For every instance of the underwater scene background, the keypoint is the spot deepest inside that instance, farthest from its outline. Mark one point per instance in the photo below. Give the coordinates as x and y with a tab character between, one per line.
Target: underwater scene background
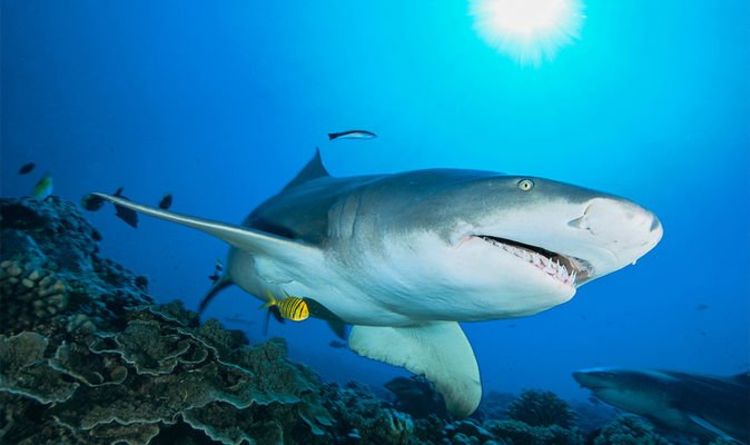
222	104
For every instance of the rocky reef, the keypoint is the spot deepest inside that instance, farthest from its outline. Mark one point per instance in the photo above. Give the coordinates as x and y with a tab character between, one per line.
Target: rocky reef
88	357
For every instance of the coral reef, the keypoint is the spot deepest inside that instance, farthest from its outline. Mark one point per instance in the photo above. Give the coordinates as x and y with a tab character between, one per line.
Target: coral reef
591	415
629	430
520	433
87	357
494	406
541	408
361	417
416	396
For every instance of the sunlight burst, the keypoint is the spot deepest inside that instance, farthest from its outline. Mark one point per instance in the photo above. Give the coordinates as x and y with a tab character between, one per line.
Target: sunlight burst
528	30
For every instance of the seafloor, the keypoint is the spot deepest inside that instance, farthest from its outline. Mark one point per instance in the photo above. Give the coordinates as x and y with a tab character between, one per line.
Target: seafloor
88	357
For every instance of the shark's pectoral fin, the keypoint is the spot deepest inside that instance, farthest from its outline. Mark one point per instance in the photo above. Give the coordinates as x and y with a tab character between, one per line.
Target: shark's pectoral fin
439	350
250	240
711	428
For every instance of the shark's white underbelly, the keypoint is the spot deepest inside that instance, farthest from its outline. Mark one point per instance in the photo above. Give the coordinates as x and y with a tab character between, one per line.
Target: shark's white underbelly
314	278
379	293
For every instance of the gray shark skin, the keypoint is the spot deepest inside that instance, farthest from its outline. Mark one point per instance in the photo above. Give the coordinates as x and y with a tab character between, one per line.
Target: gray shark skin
700	405
404	257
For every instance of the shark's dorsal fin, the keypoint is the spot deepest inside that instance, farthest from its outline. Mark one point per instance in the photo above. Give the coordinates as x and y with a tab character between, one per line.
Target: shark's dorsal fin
313	170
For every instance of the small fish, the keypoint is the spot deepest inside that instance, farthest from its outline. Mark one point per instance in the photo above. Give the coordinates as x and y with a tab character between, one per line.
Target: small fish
337	344
701	307
92	203
166	201
129	216
43	188
26	168
289	308
352	134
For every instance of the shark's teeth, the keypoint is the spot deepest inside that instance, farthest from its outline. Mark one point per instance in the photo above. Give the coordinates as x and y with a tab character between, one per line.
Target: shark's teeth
552	268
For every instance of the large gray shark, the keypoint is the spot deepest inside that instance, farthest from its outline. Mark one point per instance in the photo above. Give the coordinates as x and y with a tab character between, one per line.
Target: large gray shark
694	404
404	257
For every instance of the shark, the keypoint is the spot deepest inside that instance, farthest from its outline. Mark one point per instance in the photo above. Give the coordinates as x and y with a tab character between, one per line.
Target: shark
700	405
403	258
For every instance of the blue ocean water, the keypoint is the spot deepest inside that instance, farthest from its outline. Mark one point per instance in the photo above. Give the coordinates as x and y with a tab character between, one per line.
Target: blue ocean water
221	104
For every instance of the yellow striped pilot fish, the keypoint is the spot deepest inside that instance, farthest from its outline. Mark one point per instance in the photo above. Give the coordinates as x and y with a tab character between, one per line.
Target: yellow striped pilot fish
290	308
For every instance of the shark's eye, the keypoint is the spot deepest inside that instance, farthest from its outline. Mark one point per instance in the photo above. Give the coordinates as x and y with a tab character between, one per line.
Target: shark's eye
526	184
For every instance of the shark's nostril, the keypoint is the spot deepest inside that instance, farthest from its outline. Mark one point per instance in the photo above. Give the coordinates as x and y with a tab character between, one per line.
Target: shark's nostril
576	222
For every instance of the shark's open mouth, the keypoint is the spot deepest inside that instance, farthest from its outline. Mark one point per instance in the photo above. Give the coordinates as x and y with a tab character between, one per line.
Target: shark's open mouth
569	270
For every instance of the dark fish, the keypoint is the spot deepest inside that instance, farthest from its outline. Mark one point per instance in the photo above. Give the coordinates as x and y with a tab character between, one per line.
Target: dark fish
337	344
92	203
166	202
352	134
26	168
701	307
124	213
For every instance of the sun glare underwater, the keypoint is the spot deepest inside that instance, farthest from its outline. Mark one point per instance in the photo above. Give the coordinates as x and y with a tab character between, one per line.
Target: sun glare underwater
482	221
528	30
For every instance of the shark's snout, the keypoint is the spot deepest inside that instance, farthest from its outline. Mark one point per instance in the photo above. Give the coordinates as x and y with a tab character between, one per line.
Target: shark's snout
621	227
584	378
578	377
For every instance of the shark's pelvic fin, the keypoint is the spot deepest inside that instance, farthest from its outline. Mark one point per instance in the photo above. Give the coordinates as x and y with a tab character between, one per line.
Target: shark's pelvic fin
250	240
337	325
439	350
223	283
313	170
